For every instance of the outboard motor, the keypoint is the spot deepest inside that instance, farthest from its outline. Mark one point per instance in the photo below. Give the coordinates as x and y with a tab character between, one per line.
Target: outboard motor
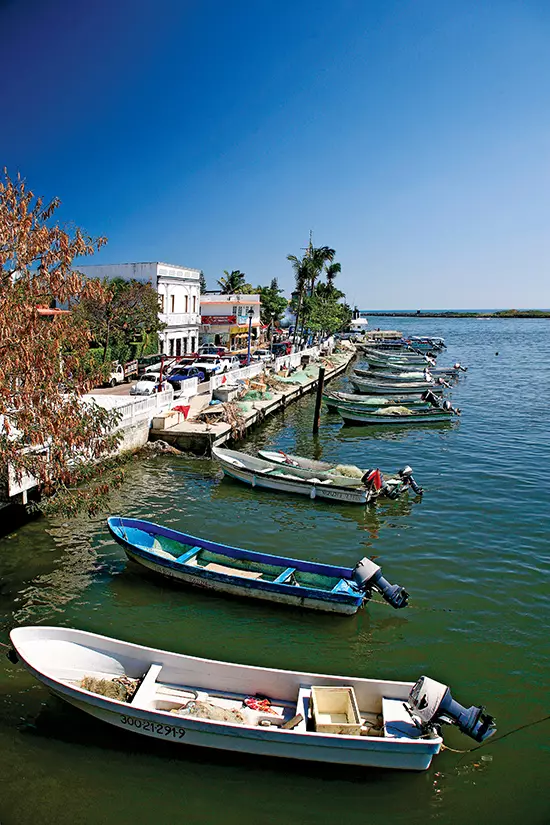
430	397
367	576
458	366
433	704
406	476
443	383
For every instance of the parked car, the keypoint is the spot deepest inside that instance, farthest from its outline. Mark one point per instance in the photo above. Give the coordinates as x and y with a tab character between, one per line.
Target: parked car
212	349
210	365
232	362
147	361
148	384
178	375
262	355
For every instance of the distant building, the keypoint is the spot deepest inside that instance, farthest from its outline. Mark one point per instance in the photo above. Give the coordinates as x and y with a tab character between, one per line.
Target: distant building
225	319
179	299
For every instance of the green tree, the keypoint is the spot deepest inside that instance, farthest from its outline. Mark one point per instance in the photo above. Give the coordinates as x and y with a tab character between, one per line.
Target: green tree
273	305
125	313
202	282
234	282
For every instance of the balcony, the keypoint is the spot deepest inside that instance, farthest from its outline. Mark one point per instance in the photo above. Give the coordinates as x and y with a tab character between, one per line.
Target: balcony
180	319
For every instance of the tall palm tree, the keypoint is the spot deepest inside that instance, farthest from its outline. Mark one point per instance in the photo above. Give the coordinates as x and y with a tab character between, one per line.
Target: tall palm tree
319	257
233	281
302	274
331	271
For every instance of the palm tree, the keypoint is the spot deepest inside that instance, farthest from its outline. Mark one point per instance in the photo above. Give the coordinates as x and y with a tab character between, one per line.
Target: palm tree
319	258
331	271
233	281
302	274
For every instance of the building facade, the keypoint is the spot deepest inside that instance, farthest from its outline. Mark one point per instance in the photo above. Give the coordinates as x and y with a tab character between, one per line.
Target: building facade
225	320
178	289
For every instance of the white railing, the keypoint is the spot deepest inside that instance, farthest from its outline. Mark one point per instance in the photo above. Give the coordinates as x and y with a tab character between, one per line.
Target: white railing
138	409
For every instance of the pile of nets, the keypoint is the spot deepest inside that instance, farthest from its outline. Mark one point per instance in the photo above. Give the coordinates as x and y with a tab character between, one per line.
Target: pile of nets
207	710
395	411
348	470
257	395
121	688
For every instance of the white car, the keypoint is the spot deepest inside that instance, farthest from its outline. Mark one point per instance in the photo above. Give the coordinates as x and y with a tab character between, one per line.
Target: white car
210	365
232	362
148	384
262	355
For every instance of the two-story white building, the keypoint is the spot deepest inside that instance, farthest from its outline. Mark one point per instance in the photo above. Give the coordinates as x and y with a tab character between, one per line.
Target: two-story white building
226	319
179	299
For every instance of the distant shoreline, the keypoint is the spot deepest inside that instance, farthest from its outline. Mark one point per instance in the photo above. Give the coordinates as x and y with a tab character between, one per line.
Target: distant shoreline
505	313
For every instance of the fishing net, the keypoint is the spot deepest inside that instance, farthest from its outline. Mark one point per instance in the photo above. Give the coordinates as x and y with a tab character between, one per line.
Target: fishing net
396	411
207	710
121	688
348	470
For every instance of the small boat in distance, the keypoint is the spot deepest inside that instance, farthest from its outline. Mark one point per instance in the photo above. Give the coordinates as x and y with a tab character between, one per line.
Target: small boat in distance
214	566
331	485
338	720
332	399
396	415
392	486
369	386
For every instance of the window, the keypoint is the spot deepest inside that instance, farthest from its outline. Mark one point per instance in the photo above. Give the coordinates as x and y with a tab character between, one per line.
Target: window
171	345
193	343
187	303
172	303
194	303
178	346
233	310
185	346
161	303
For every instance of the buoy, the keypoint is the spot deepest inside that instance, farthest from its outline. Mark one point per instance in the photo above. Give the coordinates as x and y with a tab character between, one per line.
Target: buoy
496	353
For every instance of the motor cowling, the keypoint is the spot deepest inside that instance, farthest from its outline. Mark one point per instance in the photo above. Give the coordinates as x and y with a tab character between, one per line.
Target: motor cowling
432	703
406	476
367	576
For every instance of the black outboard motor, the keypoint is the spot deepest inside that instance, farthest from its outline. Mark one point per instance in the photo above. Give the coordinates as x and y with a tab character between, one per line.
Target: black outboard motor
367	576
431	398
458	366
406	476
432	703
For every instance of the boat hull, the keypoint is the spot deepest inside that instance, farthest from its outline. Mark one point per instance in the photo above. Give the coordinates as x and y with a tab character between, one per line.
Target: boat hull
389	390
61	674
360	417
286	485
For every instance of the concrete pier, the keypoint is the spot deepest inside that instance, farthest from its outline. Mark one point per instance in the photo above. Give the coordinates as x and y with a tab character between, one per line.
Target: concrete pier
199	437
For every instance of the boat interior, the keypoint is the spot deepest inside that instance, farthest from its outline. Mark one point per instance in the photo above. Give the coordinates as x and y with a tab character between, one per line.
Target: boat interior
315	709
217	562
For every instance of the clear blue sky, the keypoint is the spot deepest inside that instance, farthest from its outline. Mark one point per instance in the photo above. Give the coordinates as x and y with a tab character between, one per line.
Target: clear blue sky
413	136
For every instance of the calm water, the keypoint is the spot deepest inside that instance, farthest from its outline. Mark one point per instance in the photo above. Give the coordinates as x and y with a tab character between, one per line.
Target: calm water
474	554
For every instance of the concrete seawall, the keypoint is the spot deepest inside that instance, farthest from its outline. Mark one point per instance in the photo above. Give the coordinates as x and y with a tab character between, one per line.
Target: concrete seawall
199	436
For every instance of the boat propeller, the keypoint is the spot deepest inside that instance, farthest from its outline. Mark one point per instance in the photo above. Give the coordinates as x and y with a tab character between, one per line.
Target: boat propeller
432	704
367	576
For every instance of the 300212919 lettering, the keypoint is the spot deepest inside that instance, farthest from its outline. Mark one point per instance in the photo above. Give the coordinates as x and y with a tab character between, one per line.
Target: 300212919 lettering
157	728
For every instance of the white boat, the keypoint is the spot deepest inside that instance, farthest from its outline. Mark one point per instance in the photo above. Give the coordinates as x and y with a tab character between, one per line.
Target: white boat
316	484
244	709
391	486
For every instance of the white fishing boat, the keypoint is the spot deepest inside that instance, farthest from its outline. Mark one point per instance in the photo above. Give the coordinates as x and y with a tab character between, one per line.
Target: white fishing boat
261	711
391	486
332	399
257	472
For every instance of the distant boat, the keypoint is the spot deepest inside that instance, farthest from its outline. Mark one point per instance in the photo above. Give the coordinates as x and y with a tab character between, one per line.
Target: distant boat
338	720
392	486
213	566
389	389
259	473
395	415
333	399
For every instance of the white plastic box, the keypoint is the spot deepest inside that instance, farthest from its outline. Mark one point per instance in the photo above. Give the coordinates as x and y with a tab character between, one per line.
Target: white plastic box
335	710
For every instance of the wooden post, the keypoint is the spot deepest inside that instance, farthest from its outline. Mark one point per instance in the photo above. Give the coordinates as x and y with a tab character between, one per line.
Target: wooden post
320	385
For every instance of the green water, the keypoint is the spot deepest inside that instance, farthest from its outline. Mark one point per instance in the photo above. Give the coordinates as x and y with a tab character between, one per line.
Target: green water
474	554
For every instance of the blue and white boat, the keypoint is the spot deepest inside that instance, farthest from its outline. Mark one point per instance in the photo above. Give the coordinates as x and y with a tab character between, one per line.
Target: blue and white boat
239	572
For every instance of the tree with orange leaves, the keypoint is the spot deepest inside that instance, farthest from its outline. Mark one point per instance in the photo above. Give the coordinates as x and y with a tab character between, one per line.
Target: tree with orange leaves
47	430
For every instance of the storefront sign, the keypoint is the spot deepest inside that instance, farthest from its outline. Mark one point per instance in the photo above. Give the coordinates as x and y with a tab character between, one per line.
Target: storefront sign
219	319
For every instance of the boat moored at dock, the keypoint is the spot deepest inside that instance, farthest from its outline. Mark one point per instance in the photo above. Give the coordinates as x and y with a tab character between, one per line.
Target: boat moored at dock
338	720
233	570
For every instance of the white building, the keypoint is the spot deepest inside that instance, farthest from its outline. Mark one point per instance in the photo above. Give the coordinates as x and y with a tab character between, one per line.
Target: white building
179	299
225	319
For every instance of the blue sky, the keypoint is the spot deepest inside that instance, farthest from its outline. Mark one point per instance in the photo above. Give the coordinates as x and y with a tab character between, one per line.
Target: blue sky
413	136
